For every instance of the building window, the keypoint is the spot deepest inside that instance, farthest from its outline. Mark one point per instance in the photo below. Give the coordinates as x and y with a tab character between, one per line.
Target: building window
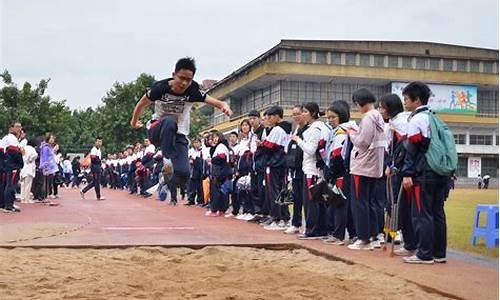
393	61
447	65
378	60
487	103
336	58
462	167
487	67
461	65
290	55
306	57
321	57
459	139
489	165
407	62
433	63
350	59
420	63
364	60
474	66
477	139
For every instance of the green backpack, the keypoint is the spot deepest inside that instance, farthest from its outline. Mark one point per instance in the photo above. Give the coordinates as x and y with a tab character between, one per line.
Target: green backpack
442	154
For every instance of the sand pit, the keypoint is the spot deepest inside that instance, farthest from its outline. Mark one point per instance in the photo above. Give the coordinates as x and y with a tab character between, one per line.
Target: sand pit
182	273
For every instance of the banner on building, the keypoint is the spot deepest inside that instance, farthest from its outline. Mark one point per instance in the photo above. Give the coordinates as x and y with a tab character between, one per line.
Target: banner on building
447	98
473	167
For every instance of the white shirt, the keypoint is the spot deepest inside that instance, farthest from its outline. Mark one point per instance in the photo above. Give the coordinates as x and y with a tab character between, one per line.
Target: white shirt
95	152
150	150
29	158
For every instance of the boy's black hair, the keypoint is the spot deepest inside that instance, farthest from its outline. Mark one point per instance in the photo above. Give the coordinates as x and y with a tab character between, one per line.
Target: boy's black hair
186	63
417	89
341	108
274	110
234	132
98	138
392	104
254	113
363	96
313	109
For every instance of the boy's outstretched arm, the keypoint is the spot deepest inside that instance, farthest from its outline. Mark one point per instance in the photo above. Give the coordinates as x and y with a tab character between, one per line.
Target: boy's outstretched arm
219	104
138	110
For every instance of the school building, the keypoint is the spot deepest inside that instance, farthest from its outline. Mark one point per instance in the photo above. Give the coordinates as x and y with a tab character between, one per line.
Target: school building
464	82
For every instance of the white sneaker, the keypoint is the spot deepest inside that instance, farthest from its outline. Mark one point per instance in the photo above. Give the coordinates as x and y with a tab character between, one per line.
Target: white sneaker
272	226
403	252
441	260
248	217
292	230
52	197
381	238
334	241
415	260
360	245
282	225
229	215
375	244
241	216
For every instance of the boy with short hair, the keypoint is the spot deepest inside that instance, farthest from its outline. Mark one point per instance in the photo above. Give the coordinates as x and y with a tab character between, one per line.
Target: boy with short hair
274	145
428	189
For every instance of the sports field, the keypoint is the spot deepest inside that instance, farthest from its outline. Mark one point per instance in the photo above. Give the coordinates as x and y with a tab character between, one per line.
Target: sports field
460	213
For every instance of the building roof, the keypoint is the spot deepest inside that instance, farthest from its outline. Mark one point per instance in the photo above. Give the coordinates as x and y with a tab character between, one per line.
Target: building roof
405	48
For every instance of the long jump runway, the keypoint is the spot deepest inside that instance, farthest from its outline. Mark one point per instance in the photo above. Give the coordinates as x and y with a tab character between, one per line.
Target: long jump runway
126	222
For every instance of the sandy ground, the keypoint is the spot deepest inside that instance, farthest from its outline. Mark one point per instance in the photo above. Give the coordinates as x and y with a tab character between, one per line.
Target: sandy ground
182	273
24	232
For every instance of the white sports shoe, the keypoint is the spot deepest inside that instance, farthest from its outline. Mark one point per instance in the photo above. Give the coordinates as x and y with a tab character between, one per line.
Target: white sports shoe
292	230
415	260
272	226
360	245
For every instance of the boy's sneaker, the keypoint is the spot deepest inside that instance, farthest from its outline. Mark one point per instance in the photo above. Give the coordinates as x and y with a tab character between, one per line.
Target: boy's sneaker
403	252
255	219
282	225
219	213
361	245
101	198
272	226
82	194
381	238
375	244
306	236
241	216
333	241
229	215
207	213
248	217
52	197
292	230
266	221
415	260
440	260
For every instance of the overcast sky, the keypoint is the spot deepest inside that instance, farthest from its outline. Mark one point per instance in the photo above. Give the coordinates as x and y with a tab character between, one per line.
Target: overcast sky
85	46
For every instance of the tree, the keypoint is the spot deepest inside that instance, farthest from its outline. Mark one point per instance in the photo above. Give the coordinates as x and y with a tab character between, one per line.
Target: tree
36	111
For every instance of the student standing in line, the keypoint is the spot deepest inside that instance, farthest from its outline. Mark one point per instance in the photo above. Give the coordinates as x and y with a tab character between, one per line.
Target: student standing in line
428	188
367	162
